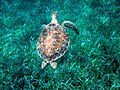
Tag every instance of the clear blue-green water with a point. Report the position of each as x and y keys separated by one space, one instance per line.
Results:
x=92 y=61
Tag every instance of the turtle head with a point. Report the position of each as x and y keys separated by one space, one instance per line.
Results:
x=54 y=17
x=54 y=14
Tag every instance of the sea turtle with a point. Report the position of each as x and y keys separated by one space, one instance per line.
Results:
x=54 y=41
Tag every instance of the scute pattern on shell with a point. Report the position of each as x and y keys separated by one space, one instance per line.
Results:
x=53 y=42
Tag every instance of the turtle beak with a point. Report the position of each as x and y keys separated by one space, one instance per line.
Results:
x=55 y=13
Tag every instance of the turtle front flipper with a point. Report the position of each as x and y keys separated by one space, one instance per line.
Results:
x=43 y=26
x=70 y=25
x=53 y=64
x=43 y=64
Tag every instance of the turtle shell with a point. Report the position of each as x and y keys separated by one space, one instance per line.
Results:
x=53 y=42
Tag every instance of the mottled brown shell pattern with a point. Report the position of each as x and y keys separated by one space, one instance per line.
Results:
x=53 y=42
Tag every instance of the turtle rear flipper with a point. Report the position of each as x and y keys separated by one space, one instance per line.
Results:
x=53 y=64
x=70 y=25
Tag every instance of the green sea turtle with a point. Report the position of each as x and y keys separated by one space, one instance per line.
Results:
x=54 y=41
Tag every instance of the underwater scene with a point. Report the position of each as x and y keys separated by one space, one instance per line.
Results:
x=59 y=44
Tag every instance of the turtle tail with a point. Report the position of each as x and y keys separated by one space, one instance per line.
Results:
x=70 y=25
x=43 y=64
